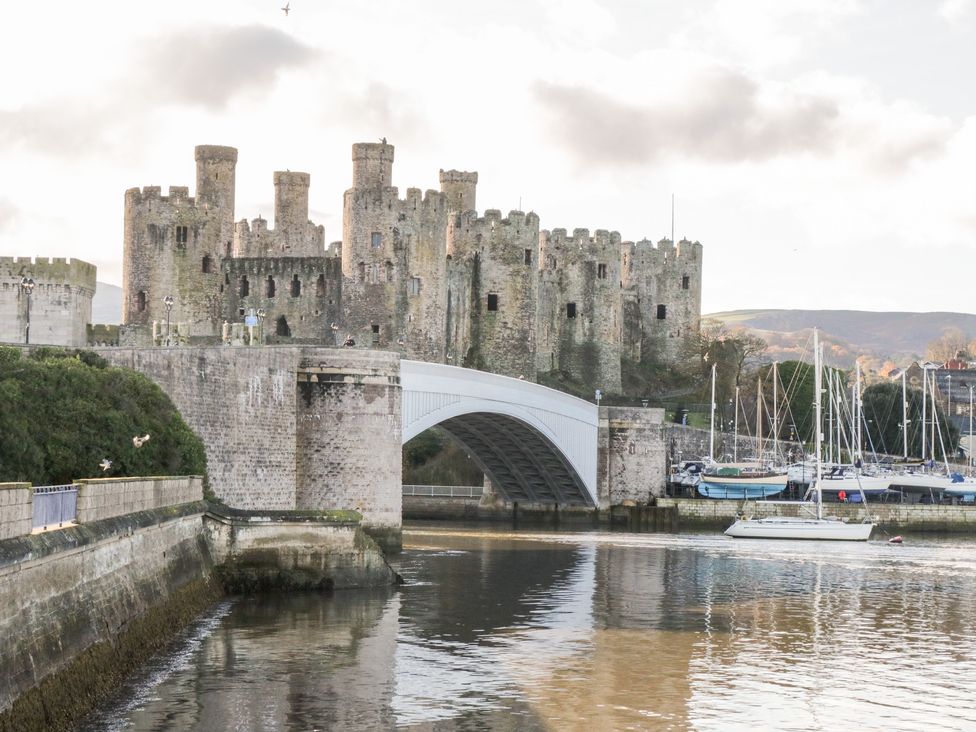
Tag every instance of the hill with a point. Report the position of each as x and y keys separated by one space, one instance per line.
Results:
x=898 y=336
x=107 y=304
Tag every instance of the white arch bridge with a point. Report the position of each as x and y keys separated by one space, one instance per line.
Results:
x=535 y=444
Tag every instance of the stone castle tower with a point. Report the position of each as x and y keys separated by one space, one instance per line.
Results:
x=60 y=300
x=425 y=275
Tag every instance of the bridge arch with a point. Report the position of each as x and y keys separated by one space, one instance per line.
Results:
x=534 y=443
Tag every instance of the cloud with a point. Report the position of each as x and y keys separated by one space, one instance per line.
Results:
x=209 y=66
x=8 y=214
x=383 y=110
x=956 y=11
x=723 y=116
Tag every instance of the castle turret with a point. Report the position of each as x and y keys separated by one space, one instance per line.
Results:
x=216 y=169
x=394 y=259
x=372 y=165
x=291 y=211
x=459 y=187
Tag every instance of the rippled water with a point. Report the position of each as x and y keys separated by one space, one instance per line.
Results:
x=552 y=631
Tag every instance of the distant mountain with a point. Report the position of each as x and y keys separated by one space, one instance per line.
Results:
x=851 y=333
x=107 y=304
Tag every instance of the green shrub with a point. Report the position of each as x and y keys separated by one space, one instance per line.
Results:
x=62 y=412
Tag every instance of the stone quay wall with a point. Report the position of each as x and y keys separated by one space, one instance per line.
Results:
x=102 y=498
x=76 y=599
x=631 y=461
x=700 y=513
x=16 y=509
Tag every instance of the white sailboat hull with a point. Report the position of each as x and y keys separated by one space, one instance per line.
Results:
x=799 y=528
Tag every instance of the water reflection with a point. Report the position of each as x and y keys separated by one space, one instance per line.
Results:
x=542 y=631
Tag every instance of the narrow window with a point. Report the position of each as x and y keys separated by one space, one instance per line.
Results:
x=413 y=287
x=528 y=256
x=320 y=286
x=141 y=301
x=376 y=334
x=207 y=265
x=226 y=278
x=601 y=271
x=662 y=312
x=245 y=286
x=362 y=271
x=492 y=302
x=181 y=236
x=376 y=240
x=296 y=286
x=571 y=310
x=269 y=289
x=685 y=282
x=281 y=327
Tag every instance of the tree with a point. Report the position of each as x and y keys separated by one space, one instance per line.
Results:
x=883 y=412
x=950 y=344
x=730 y=352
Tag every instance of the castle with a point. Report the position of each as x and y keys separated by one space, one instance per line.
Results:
x=55 y=308
x=424 y=275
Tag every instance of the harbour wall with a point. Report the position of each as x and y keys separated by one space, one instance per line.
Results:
x=698 y=513
x=83 y=606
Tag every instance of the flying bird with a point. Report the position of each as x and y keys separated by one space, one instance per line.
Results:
x=105 y=465
x=140 y=441
x=287 y=8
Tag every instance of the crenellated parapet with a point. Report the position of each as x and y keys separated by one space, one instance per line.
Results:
x=56 y=305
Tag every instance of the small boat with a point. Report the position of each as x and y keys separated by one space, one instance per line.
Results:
x=727 y=481
x=818 y=528
x=851 y=481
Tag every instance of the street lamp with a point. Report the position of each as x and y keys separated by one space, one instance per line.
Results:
x=168 y=303
x=335 y=334
x=27 y=287
x=262 y=314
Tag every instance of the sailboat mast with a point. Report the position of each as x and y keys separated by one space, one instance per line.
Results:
x=775 y=413
x=925 y=398
x=904 y=414
x=711 y=433
x=857 y=414
x=735 y=433
x=932 y=392
x=817 y=387
x=830 y=417
x=969 y=443
x=758 y=419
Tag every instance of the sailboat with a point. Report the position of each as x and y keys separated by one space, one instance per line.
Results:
x=738 y=480
x=819 y=527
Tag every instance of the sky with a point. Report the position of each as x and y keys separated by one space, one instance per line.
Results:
x=823 y=151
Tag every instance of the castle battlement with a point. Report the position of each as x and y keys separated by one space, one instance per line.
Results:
x=492 y=217
x=601 y=242
x=54 y=270
x=178 y=196
x=368 y=198
x=280 y=265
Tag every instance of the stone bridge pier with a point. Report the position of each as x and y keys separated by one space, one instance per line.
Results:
x=294 y=428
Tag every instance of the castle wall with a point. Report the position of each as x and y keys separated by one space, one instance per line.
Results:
x=669 y=277
x=241 y=403
x=60 y=303
x=173 y=245
x=307 y=295
x=394 y=261
x=580 y=305
x=294 y=235
x=499 y=259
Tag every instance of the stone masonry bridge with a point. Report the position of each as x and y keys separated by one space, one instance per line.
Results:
x=534 y=443
x=311 y=428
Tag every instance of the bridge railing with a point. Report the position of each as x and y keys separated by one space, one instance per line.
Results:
x=55 y=506
x=444 y=491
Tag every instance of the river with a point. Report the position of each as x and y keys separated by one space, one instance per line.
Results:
x=535 y=630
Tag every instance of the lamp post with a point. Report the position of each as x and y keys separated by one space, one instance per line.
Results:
x=27 y=287
x=262 y=314
x=168 y=304
x=335 y=334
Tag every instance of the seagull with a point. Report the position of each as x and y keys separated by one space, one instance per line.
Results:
x=287 y=8
x=140 y=441
x=105 y=465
